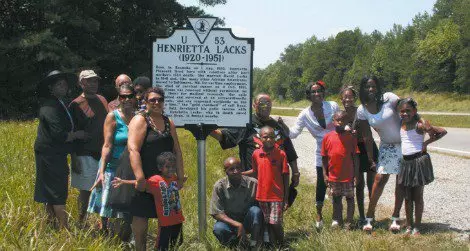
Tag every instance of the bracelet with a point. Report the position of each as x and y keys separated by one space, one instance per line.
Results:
x=296 y=174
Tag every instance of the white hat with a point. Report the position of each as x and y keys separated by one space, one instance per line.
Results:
x=87 y=74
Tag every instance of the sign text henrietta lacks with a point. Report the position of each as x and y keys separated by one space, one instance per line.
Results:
x=206 y=73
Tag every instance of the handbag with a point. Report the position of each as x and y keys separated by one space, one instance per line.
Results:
x=120 y=198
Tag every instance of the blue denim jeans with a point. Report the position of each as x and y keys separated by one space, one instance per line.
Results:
x=227 y=234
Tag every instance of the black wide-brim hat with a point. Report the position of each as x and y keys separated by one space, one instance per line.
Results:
x=54 y=75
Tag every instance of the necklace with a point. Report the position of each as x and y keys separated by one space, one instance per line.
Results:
x=153 y=125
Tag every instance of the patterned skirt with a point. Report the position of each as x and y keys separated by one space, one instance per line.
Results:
x=390 y=158
x=99 y=196
x=416 y=170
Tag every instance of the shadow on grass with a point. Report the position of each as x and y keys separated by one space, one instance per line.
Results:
x=426 y=228
x=435 y=227
x=294 y=236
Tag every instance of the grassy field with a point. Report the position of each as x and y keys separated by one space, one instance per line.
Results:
x=23 y=225
x=442 y=102
x=437 y=120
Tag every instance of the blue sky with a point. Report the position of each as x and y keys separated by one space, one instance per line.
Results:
x=275 y=24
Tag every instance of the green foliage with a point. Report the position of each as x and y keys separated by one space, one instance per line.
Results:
x=433 y=53
x=111 y=37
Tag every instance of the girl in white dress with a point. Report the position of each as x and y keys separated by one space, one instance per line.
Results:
x=416 y=170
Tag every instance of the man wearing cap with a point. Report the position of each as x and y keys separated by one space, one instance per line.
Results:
x=247 y=138
x=233 y=206
x=120 y=80
x=89 y=111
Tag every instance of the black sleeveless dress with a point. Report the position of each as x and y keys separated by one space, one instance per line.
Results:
x=154 y=144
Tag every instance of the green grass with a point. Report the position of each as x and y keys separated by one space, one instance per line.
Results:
x=448 y=121
x=285 y=112
x=435 y=102
x=437 y=120
x=23 y=225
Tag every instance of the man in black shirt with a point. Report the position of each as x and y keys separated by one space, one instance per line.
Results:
x=248 y=140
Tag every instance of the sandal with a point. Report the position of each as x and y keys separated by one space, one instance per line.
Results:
x=415 y=232
x=394 y=227
x=408 y=231
x=319 y=224
x=368 y=225
x=334 y=224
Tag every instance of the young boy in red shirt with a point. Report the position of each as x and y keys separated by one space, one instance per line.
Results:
x=167 y=201
x=340 y=168
x=270 y=167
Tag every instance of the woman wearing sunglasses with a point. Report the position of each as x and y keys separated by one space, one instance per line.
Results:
x=115 y=141
x=150 y=134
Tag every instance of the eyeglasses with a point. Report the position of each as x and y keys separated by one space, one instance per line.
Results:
x=128 y=96
x=155 y=100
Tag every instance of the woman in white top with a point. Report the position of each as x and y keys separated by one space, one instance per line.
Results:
x=378 y=110
x=318 y=118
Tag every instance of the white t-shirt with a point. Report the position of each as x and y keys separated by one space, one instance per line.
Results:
x=386 y=122
x=307 y=119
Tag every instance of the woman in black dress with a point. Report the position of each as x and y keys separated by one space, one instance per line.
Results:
x=55 y=132
x=150 y=133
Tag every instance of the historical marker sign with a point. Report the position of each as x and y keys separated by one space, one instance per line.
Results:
x=206 y=73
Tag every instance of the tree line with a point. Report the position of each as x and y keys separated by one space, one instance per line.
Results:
x=109 y=36
x=431 y=54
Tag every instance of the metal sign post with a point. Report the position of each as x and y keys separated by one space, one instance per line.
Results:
x=207 y=76
x=200 y=132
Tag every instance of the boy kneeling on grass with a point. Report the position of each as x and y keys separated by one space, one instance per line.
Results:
x=167 y=201
x=270 y=167
x=340 y=168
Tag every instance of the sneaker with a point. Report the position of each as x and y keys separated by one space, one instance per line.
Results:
x=319 y=224
x=394 y=227
x=334 y=224
x=415 y=232
x=368 y=225
x=348 y=226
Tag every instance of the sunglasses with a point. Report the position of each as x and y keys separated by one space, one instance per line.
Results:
x=156 y=100
x=128 y=96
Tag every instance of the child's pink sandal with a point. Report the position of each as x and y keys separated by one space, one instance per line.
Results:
x=394 y=227
x=368 y=226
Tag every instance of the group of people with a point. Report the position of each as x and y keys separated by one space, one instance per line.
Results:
x=132 y=132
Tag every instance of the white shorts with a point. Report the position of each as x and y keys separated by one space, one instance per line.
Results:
x=390 y=158
x=89 y=169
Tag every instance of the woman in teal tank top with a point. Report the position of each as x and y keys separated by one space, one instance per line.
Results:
x=115 y=141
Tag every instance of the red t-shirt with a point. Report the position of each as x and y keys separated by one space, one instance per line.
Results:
x=270 y=168
x=167 y=200
x=339 y=148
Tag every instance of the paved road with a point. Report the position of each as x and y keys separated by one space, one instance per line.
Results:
x=430 y=112
x=456 y=142
x=446 y=199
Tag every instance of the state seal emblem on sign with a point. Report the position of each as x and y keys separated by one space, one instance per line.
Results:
x=202 y=26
